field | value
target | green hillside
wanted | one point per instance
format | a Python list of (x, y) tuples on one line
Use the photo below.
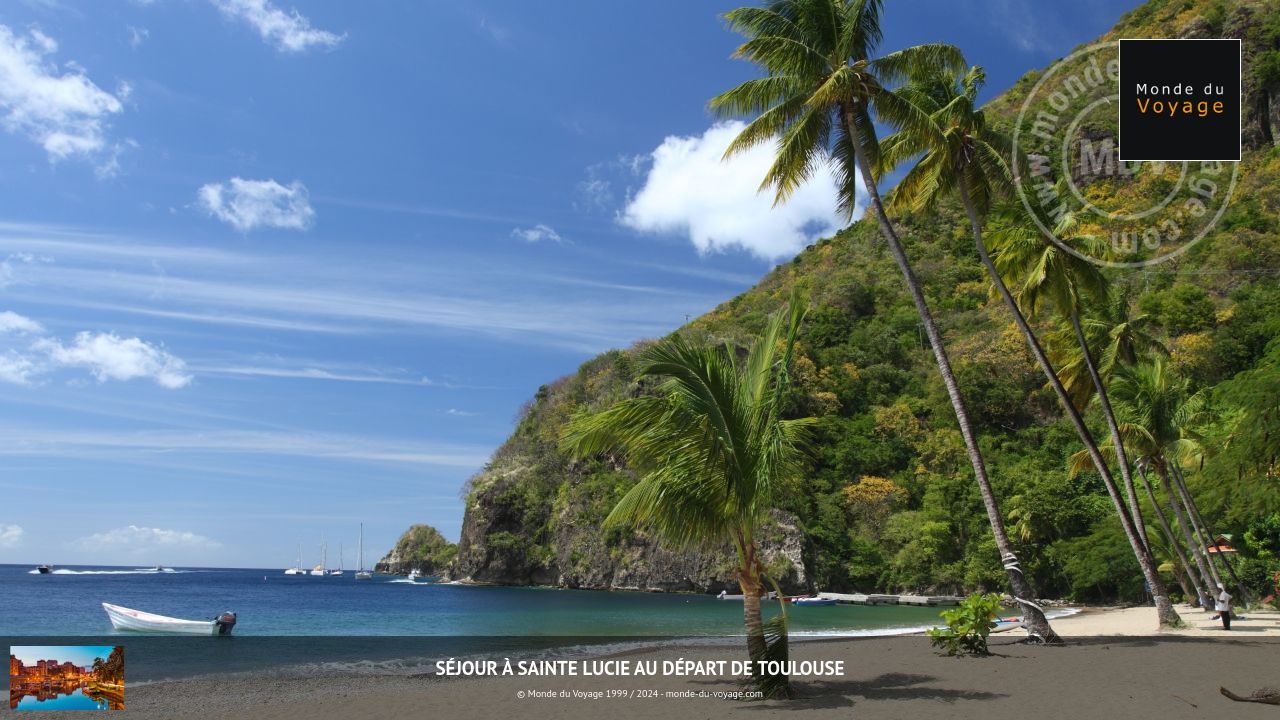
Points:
[(888, 502)]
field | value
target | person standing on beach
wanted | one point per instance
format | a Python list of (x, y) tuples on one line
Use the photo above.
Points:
[(1223, 606)]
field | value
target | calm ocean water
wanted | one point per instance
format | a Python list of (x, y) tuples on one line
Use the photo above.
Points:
[(336, 626), (69, 602)]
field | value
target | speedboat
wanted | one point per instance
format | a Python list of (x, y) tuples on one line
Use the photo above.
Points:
[(123, 618), (414, 576), (44, 569)]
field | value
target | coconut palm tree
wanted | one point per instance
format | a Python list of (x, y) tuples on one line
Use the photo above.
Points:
[(1044, 273), (1164, 419), (960, 154), (822, 84), (711, 450)]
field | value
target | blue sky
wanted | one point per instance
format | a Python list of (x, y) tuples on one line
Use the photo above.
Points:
[(269, 269), (81, 655)]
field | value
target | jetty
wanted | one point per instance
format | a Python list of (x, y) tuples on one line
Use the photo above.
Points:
[(920, 600)]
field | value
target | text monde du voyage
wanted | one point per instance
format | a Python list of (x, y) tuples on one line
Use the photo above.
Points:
[(1180, 99)]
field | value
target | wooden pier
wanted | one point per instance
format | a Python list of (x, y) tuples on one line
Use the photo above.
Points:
[(919, 600)]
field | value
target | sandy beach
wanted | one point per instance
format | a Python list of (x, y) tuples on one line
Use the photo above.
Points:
[(1112, 665)]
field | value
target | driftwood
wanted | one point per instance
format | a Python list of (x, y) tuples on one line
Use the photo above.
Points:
[(1268, 696)]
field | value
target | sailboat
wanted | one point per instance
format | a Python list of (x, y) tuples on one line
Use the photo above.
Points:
[(324, 552), (361, 573), (297, 569), (339, 570)]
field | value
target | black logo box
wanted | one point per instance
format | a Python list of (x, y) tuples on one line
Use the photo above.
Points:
[(1180, 63)]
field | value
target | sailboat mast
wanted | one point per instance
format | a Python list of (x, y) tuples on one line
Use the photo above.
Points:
[(361, 546)]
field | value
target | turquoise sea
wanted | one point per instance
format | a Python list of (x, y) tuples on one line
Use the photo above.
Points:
[(69, 602), (291, 625)]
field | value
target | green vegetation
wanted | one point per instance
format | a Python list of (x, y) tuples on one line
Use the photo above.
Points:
[(421, 548), (968, 626), (711, 449), (901, 495)]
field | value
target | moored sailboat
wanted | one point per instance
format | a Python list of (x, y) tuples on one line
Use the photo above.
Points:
[(361, 573)]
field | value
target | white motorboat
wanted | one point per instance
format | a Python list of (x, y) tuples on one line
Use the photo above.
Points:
[(123, 618)]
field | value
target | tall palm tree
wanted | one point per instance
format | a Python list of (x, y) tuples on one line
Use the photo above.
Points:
[(711, 450), (1045, 273), (821, 86), (1171, 414), (1155, 407), (959, 153)]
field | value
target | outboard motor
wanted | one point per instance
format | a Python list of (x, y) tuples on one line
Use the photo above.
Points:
[(225, 622)]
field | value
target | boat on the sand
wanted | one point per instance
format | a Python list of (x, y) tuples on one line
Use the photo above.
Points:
[(123, 618)]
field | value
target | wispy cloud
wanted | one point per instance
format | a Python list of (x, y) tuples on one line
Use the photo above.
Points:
[(29, 441), (10, 536), (287, 31), (311, 373), (12, 322), (144, 541), (352, 294), (137, 35), (61, 109), (249, 204), (537, 233)]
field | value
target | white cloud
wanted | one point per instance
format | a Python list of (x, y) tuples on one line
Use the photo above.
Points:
[(287, 31), (140, 540), (537, 233), (12, 322), (460, 413), (17, 369), (111, 357), (691, 190), (137, 35), (59, 108), (10, 536), (248, 204)]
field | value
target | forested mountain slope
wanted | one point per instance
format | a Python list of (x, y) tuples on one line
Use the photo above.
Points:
[(889, 502)]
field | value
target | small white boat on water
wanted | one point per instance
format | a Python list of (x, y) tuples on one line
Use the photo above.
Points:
[(123, 618), (297, 569)]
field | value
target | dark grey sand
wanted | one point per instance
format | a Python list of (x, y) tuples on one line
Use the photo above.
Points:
[(1116, 677)]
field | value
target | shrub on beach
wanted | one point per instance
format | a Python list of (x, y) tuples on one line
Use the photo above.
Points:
[(968, 625)]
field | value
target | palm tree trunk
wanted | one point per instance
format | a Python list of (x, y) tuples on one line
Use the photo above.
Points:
[(1168, 617), (1175, 504), (1131, 494), (1201, 597), (1185, 499), (1033, 619), (749, 579), (1207, 533)]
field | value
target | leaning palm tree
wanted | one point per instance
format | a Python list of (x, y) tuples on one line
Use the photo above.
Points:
[(711, 449), (1163, 415), (822, 85), (960, 154), (1044, 273)]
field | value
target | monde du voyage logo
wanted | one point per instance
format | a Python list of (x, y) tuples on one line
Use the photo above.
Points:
[(1133, 147), (1180, 100)]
